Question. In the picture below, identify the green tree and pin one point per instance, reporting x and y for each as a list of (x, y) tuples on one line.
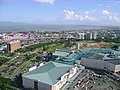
[(115, 47), (3, 60)]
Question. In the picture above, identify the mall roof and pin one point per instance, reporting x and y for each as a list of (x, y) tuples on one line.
[(114, 61), (94, 56), (60, 54), (112, 56), (64, 50), (97, 50), (74, 56), (49, 73)]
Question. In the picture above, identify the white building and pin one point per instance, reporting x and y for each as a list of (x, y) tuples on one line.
[(94, 35), (92, 60), (112, 65), (81, 35), (97, 61), (51, 76)]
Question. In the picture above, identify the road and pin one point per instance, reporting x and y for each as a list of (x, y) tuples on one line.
[(18, 70), (3, 66)]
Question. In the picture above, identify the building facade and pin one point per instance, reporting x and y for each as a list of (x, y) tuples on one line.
[(112, 65), (13, 45), (51, 76)]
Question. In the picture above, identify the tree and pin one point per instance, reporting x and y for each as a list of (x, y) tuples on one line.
[(3, 60), (5, 81), (39, 58), (115, 47), (28, 56), (99, 39)]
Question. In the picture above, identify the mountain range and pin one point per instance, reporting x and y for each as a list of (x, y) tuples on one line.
[(25, 27)]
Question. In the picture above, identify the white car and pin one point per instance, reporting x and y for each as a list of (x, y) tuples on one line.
[(78, 85)]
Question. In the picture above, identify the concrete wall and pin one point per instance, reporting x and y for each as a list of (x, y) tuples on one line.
[(28, 83), (43, 86), (112, 67), (117, 68), (98, 64), (109, 66)]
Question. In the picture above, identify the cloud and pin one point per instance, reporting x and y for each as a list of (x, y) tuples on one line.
[(71, 15), (105, 12), (87, 13), (108, 6), (110, 16), (46, 1), (100, 5)]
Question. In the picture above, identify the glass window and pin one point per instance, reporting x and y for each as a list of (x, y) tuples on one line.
[(36, 85)]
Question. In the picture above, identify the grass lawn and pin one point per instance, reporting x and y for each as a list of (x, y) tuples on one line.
[(52, 48)]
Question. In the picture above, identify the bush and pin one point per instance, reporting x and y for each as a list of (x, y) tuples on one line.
[(5, 80), (3, 60)]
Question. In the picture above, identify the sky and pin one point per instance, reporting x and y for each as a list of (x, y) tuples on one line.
[(83, 12)]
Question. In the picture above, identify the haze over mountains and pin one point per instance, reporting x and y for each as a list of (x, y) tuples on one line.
[(24, 27)]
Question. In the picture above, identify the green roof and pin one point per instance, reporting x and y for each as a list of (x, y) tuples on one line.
[(49, 73), (97, 50), (94, 56), (61, 53), (72, 57)]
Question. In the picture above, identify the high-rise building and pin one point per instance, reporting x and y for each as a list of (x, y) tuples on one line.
[(81, 35), (91, 35), (88, 35), (13, 45), (94, 35), (78, 45)]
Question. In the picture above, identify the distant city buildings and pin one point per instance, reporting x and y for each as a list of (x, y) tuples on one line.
[(13, 36), (87, 35), (35, 37), (81, 35), (94, 35), (78, 45), (13, 45)]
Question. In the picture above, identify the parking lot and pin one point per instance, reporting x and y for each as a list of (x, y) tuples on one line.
[(90, 80)]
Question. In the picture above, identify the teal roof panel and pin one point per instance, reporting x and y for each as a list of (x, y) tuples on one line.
[(49, 73)]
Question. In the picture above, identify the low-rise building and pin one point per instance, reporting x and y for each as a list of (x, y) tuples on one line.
[(51, 76), (93, 60), (112, 65), (101, 61)]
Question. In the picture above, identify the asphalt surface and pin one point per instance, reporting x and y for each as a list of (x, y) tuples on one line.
[(18, 70), (89, 80)]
